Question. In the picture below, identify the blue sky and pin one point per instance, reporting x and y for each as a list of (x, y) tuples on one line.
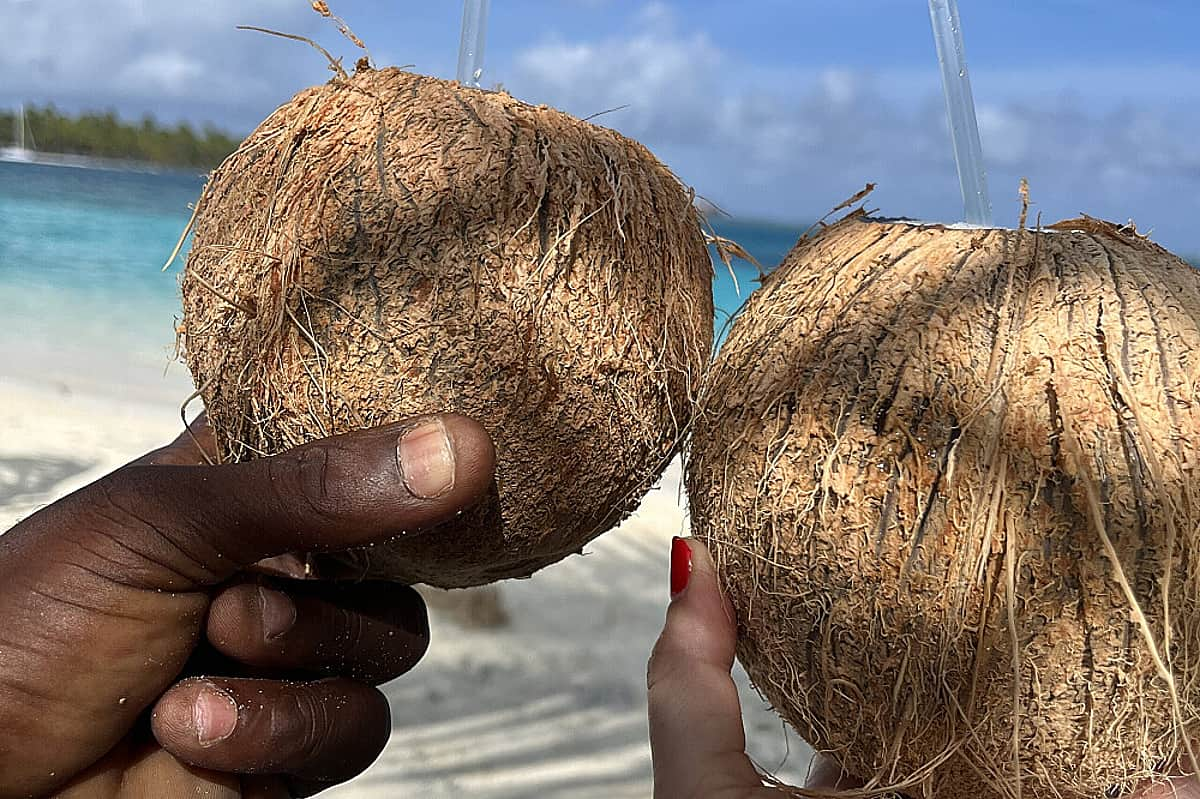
[(770, 108)]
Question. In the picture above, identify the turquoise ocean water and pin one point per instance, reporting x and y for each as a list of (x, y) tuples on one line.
[(81, 286)]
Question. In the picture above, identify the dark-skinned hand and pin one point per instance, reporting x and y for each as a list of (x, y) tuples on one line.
[(112, 598), (697, 738)]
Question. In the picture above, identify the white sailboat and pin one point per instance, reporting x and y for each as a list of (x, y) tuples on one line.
[(20, 151)]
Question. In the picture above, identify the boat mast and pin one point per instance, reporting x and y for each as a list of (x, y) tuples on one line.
[(19, 128)]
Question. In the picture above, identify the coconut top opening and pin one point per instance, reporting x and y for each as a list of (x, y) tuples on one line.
[(956, 225)]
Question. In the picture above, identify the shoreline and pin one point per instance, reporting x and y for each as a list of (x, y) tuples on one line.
[(81, 161)]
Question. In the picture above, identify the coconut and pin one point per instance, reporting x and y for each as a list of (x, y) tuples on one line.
[(948, 477), (390, 245)]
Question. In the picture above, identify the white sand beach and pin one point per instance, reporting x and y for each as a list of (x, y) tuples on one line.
[(550, 705)]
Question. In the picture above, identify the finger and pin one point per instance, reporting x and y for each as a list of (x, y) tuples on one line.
[(371, 632), (137, 769), (195, 446), (283, 788), (269, 788), (327, 731), (1180, 788), (200, 525), (290, 566), (696, 736)]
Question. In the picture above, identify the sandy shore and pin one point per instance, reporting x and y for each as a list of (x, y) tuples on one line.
[(550, 705)]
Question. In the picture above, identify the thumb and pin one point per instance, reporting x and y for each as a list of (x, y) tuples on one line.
[(178, 528), (696, 736)]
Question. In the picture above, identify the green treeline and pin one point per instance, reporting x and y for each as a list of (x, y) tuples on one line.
[(103, 135)]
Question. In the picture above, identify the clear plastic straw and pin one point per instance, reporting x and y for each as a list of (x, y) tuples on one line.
[(474, 42), (960, 106)]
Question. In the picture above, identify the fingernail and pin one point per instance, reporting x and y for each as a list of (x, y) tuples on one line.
[(215, 715), (290, 566), (1185, 788), (1171, 789), (427, 460), (278, 613), (681, 566)]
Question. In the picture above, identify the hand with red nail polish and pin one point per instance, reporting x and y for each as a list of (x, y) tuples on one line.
[(696, 733), (697, 738), (158, 639)]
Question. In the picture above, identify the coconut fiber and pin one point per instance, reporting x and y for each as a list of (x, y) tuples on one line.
[(389, 245), (949, 477)]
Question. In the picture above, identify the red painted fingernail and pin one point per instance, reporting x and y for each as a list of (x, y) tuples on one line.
[(681, 566)]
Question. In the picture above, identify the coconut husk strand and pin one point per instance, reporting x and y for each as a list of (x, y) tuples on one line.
[(389, 245), (949, 478)]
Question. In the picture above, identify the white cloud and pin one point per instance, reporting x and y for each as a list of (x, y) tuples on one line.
[(662, 81), (840, 86), (793, 143), (181, 59), (170, 72), (1008, 135)]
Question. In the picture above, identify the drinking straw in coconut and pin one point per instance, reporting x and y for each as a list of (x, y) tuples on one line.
[(960, 107), (474, 40)]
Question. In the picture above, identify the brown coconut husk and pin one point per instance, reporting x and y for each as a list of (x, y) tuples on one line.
[(389, 245), (949, 478)]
